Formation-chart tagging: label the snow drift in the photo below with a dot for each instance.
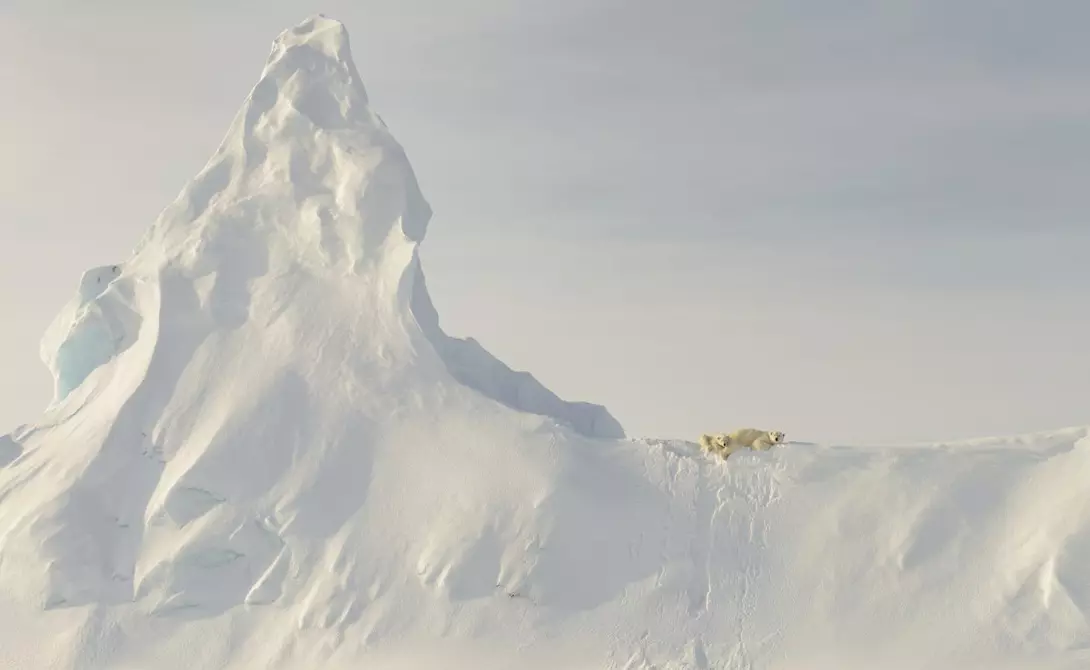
(263, 452)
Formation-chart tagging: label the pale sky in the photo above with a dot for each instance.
(855, 222)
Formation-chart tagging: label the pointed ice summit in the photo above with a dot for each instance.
(263, 452)
(265, 367)
(306, 219)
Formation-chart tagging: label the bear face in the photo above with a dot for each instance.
(716, 443)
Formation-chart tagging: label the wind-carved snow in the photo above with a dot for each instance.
(469, 363)
(264, 452)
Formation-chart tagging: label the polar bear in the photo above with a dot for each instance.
(753, 438)
(744, 438)
(715, 443)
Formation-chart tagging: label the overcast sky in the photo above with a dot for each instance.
(856, 222)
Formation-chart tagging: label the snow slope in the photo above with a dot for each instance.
(264, 453)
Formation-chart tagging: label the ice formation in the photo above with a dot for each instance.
(264, 452)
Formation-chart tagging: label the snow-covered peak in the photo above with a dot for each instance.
(320, 38)
(306, 167)
(312, 69)
(267, 375)
(309, 205)
(265, 452)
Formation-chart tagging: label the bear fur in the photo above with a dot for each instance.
(715, 443)
(725, 444)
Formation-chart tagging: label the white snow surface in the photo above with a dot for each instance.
(264, 453)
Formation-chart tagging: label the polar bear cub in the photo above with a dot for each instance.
(725, 444)
(714, 443)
